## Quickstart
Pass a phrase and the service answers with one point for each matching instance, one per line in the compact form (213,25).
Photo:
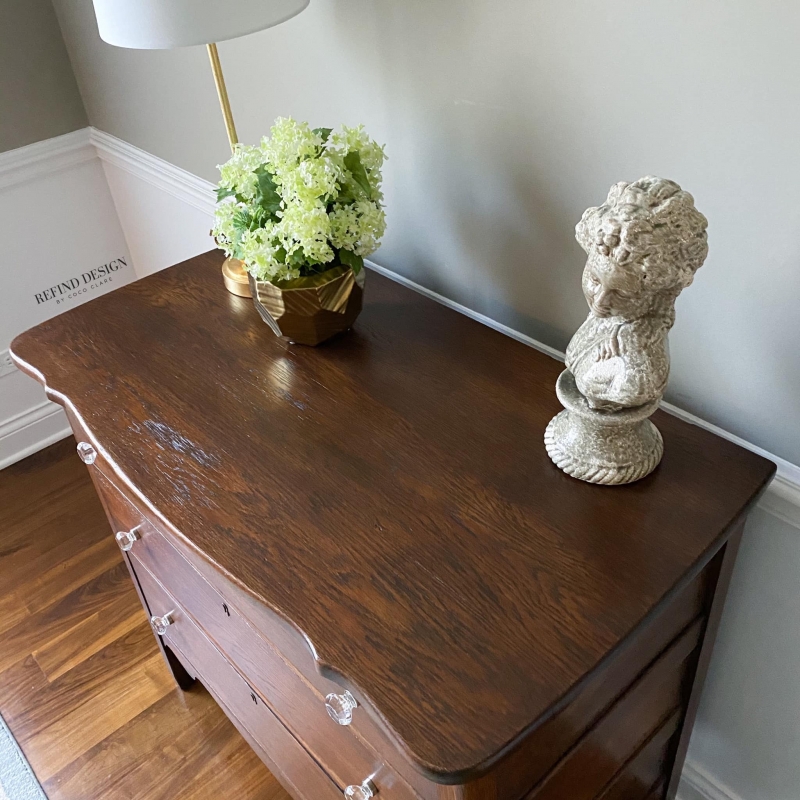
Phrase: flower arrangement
(302,201)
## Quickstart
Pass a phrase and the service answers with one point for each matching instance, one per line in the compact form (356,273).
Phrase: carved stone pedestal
(609,447)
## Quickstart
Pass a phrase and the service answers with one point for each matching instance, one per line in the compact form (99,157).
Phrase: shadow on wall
(477,219)
(506,120)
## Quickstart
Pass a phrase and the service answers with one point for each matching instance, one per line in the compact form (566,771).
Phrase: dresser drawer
(345,756)
(296,652)
(637,779)
(292,765)
(369,737)
(614,742)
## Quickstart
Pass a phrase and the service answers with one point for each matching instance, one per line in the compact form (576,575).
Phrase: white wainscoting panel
(166,212)
(62,245)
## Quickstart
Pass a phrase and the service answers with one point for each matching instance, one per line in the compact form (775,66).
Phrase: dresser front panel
(345,751)
(296,652)
(644,772)
(298,772)
(280,672)
(344,755)
(615,740)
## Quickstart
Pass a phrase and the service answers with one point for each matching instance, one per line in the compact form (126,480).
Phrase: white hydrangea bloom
(298,200)
(238,173)
(358,227)
(306,226)
(311,180)
(258,252)
(289,143)
(372,154)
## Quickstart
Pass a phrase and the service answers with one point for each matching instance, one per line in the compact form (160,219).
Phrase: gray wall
(39,98)
(748,728)
(503,120)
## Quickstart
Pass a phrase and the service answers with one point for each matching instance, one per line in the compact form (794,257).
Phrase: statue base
(607,447)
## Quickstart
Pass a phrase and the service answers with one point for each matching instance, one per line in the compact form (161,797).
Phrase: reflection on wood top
(390,495)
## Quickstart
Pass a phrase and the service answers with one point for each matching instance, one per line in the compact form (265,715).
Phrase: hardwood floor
(82,684)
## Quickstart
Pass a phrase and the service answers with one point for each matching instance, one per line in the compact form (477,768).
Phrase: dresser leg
(183,677)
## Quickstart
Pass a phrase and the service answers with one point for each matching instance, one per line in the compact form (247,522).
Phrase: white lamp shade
(164,24)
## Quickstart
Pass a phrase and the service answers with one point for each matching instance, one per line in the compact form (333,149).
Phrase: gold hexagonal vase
(312,309)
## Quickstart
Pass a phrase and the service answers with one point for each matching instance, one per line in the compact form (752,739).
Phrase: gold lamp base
(235,277)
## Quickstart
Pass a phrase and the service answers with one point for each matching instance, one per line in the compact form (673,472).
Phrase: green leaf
(346,195)
(223,192)
(323,133)
(299,259)
(353,163)
(267,196)
(356,263)
(241,220)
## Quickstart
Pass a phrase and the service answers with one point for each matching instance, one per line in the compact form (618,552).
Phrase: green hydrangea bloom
(301,201)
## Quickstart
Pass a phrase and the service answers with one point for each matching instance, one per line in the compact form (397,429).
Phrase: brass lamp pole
(222,91)
(149,25)
(233,272)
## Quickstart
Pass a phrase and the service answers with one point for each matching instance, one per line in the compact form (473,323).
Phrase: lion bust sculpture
(644,245)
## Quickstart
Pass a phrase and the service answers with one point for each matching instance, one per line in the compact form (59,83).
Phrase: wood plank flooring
(83,686)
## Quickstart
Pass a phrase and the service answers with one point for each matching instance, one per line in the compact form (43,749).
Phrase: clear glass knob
(160,624)
(125,539)
(340,708)
(87,453)
(363,792)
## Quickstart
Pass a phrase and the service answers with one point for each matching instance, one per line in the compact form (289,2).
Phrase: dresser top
(389,494)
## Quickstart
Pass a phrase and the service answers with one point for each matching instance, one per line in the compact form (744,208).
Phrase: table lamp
(165,24)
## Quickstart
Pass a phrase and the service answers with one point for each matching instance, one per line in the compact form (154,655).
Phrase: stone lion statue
(644,245)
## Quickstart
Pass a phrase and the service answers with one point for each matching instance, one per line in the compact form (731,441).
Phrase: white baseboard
(30,431)
(697,784)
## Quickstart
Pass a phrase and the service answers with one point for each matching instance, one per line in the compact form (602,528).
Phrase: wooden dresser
(364,553)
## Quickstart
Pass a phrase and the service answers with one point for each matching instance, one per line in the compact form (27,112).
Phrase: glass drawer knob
(87,453)
(125,539)
(340,710)
(363,792)
(160,624)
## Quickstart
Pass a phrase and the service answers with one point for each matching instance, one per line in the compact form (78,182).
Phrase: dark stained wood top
(389,494)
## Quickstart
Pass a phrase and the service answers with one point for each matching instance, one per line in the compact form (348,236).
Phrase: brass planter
(310,310)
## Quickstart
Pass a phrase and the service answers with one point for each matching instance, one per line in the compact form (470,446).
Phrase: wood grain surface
(388,493)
